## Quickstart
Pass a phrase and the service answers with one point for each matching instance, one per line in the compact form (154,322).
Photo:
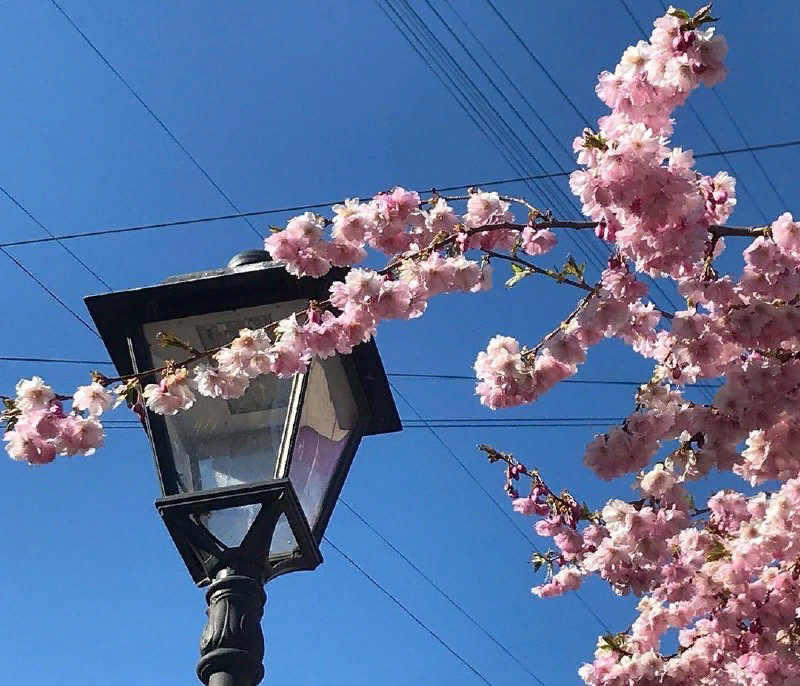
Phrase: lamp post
(248,485)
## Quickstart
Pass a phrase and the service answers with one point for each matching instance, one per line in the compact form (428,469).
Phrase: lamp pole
(232,644)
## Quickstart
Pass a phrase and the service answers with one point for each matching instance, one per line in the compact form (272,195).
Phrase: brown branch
(559,278)
(537,270)
(718,231)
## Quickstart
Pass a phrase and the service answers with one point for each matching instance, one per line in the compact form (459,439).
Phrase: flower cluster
(41,429)
(646,196)
(392,223)
(729,585)
(509,375)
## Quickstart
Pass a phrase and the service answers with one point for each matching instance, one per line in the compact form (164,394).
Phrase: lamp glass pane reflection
(327,421)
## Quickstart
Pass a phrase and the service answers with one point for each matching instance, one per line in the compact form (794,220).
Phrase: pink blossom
(171,395)
(94,398)
(33,394)
(505,378)
(355,326)
(29,447)
(538,241)
(352,222)
(215,382)
(568,579)
(300,246)
(79,436)
(786,233)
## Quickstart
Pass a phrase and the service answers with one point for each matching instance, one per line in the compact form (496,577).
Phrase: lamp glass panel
(283,540)
(231,524)
(226,442)
(327,420)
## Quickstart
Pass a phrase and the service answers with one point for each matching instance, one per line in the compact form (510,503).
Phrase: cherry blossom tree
(721,581)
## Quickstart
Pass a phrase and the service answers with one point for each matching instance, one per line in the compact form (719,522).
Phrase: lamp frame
(120,317)
(204,554)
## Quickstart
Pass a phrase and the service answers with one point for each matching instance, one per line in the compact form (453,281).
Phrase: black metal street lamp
(248,485)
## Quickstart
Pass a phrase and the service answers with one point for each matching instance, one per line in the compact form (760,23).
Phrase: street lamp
(248,485)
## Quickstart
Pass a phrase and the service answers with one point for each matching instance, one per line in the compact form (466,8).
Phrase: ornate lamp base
(232,645)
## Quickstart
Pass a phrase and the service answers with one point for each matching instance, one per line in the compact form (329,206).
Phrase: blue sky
(286,105)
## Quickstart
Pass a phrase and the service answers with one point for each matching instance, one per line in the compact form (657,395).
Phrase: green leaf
(681,14)
(168,339)
(519,274)
(572,267)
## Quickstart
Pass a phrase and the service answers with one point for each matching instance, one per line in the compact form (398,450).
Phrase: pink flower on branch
(171,395)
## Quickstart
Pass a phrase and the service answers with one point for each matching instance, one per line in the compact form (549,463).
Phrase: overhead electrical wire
(544,69)
(609,382)
(498,132)
(582,241)
(469,422)
(440,71)
(488,495)
(416,619)
(756,158)
(403,375)
(152,113)
(569,198)
(25,211)
(498,122)
(49,292)
(542,121)
(441,592)
(322,205)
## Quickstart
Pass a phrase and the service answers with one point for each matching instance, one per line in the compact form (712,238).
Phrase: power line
(323,205)
(464,467)
(749,148)
(477,421)
(552,80)
(494,502)
(398,375)
(502,425)
(582,241)
(539,64)
(38,281)
(514,86)
(441,592)
(150,111)
(500,133)
(467,377)
(755,157)
(570,200)
(394,599)
(83,264)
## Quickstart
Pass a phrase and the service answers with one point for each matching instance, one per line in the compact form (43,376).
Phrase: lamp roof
(120,315)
